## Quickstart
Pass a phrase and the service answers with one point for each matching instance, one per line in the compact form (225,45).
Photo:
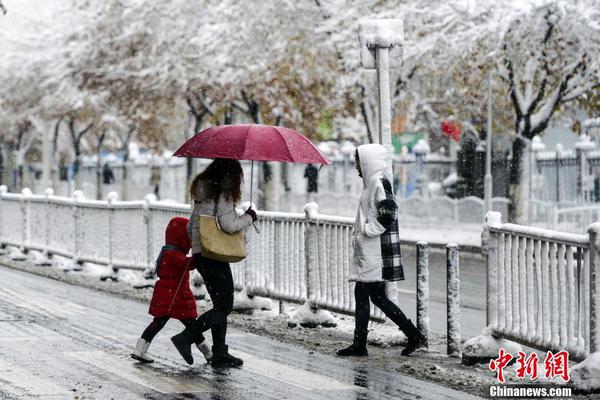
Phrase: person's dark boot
(415,338)
(183,343)
(222,358)
(353,351)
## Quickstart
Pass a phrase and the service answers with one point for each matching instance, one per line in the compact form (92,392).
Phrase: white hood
(372,159)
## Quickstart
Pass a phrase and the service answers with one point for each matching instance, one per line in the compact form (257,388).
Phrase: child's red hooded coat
(173,266)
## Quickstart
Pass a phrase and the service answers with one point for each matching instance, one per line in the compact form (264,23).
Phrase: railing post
(25,193)
(3,190)
(555,216)
(489,246)
(455,210)
(49,192)
(111,198)
(77,197)
(594,299)
(453,300)
(311,243)
(150,273)
(423,290)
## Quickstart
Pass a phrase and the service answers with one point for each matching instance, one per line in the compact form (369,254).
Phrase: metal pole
(251,179)
(385,124)
(488,152)
(423,289)
(594,299)
(453,300)
(385,110)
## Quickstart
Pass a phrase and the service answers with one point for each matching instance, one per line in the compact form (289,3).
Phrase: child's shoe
(205,350)
(141,348)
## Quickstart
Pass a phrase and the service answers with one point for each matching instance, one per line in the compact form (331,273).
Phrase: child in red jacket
(172,297)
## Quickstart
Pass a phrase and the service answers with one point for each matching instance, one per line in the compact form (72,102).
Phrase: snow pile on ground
(586,374)
(243,302)
(308,316)
(38,258)
(484,347)
(16,254)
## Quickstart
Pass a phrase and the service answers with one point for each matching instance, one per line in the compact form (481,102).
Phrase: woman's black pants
(219,284)
(375,291)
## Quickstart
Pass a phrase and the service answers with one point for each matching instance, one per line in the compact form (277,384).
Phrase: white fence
(296,257)
(436,210)
(542,286)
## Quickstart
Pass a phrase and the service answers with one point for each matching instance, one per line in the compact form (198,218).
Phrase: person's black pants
(219,284)
(375,291)
(158,323)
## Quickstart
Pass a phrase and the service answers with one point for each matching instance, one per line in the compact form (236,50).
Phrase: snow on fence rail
(445,209)
(542,286)
(295,258)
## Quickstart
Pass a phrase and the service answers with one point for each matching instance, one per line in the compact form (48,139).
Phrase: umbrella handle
(251,179)
(251,186)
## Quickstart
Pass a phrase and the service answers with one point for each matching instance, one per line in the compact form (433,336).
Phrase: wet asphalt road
(59,341)
(472,290)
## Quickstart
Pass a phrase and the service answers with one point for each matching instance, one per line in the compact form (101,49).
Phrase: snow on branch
(2,8)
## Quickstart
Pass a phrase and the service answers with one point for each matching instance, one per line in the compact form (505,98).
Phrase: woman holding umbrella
(216,190)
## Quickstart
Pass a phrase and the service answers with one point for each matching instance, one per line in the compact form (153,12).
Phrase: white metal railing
(296,257)
(438,210)
(565,217)
(542,286)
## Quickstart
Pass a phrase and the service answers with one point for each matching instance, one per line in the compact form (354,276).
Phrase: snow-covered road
(65,342)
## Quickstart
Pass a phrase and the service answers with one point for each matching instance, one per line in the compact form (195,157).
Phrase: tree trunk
(2,164)
(54,168)
(519,181)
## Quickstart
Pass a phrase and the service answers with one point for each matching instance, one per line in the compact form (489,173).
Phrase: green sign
(408,139)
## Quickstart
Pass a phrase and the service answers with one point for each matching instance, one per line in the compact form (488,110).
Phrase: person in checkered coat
(377,256)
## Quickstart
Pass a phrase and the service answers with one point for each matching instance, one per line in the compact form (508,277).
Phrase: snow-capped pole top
(112,197)
(584,143)
(381,33)
(493,219)
(537,145)
(421,147)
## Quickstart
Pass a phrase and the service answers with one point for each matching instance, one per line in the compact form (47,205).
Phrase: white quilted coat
(367,265)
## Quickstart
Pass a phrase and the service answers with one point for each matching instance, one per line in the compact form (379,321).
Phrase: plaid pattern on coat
(390,239)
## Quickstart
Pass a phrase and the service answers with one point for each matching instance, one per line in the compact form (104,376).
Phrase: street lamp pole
(381,43)
(488,150)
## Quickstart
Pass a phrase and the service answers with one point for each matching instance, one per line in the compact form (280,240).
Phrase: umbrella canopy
(252,142)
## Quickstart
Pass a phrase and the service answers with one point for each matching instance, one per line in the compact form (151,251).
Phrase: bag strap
(187,268)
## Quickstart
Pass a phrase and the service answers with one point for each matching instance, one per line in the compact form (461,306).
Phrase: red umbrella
(252,142)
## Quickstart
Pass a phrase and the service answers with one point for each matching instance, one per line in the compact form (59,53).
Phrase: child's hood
(372,159)
(176,233)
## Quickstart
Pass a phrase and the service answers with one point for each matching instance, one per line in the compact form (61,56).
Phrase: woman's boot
(353,350)
(222,358)
(141,348)
(183,343)
(415,338)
